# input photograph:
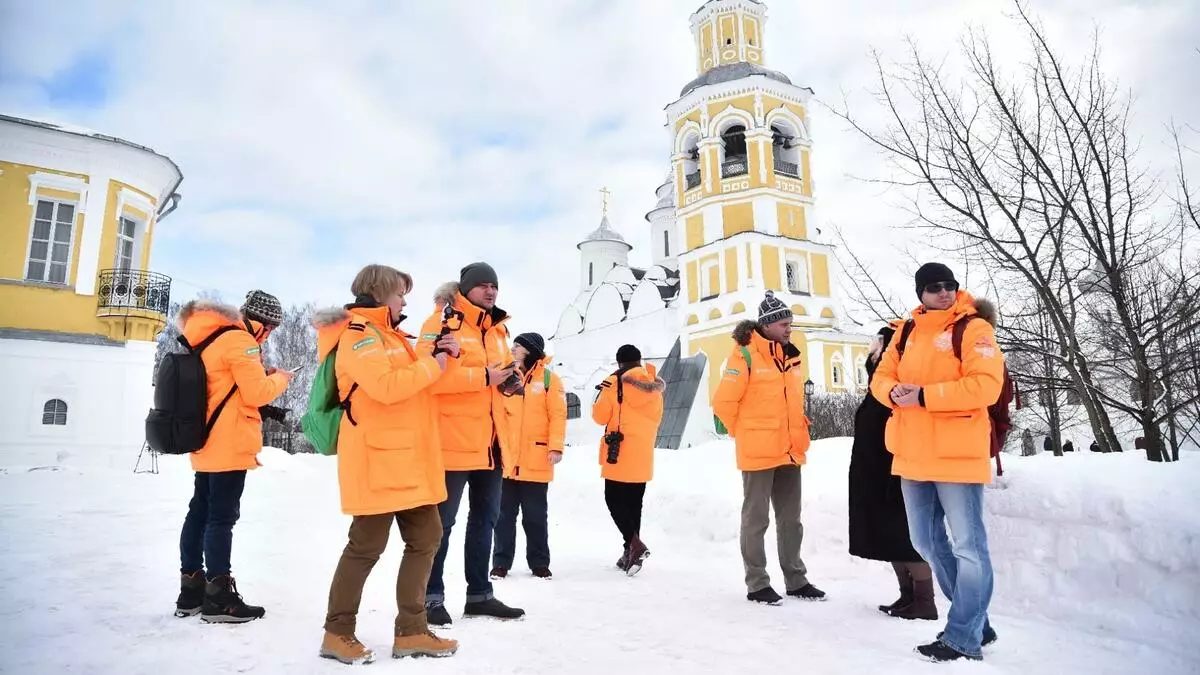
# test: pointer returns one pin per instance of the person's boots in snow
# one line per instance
(939, 652)
(989, 636)
(437, 615)
(766, 596)
(635, 556)
(922, 605)
(808, 592)
(191, 595)
(542, 573)
(345, 648)
(492, 608)
(623, 561)
(906, 588)
(223, 603)
(499, 572)
(425, 644)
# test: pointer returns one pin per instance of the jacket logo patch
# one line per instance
(985, 347)
(253, 350)
(537, 389)
(732, 371)
(430, 336)
(363, 343)
(944, 342)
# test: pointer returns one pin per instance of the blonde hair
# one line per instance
(380, 282)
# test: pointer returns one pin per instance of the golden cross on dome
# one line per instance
(606, 194)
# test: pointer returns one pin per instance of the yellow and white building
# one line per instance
(79, 307)
(731, 221)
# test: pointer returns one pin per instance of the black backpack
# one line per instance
(179, 422)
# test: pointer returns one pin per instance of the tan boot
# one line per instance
(345, 648)
(424, 644)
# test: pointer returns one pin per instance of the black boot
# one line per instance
(223, 604)
(492, 608)
(807, 592)
(437, 615)
(635, 555)
(765, 596)
(191, 595)
(939, 652)
(906, 588)
(922, 605)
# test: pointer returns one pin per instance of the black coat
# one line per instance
(878, 523)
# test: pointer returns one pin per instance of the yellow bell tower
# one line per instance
(741, 170)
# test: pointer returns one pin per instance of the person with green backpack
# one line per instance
(377, 388)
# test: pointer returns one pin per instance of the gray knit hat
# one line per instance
(475, 274)
(262, 307)
(772, 309)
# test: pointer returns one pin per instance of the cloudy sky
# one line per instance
(315, 137)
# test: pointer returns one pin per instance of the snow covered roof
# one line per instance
(604, 233)
(730, 72)
(74, 130)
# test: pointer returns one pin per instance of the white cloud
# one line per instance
(315, 139)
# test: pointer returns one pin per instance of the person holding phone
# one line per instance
(473, 432)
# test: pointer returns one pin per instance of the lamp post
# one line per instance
(808, 392)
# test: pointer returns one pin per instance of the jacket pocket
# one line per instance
(759, 437)
(393, 460)
(961, 435)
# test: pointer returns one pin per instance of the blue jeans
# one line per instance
(207, 536)
(964, 568)
(483, 511)
(529, 499)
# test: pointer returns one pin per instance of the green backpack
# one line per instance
(324, 416)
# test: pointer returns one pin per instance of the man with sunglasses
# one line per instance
(940, 435)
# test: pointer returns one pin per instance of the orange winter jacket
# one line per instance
(948, 439)
(388, 455)
(537, 420)
(637, 416)
(761, 403)
(235, 357)
(471, 409)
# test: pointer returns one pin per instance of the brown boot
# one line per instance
(424, 644)
(906, 588)
(345, 648)
(922, 606)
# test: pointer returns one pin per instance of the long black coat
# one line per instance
(878, 523)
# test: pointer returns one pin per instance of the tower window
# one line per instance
(735, 163)
(728, 41)
(573, 412)
(126, 237)
(590, 281)
(666, 244)
(54, 413)
(836, 376)
(50, 242)
(797, 276)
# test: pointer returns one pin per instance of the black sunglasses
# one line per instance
(939, 286)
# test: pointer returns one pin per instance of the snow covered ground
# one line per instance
(1097, 558)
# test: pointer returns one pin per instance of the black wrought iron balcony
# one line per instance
(692, 180)
(123, 292)
(784, 168)
(735, 166)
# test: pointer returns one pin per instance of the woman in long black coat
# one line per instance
(878, 523)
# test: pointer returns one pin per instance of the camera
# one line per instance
(613, 440)
(513, 384)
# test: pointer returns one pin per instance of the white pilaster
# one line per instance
(93, 231)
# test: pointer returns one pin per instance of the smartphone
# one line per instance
(296, 369)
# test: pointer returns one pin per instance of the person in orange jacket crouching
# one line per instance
(629, 403)
(537, 419)
(760, 400)
(389, 460)
(230, 345)
(940, 436)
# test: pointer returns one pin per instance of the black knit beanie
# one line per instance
(931, 273)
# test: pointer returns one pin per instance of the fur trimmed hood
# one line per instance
(658, 384)
(743, 331)
(329, 316)
(194, 307)
(986, 309)
(444, 294)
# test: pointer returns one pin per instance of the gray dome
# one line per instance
(730, 72)
(604, 233)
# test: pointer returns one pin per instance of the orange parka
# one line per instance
(637, 416)
(948, 438)
(235, 357)
(470, 408)
(537, 420)
(388, 456)
(761, 403)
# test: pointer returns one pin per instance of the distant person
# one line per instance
(237, 386)
(760, 400)
(629, 404)
(537, 419)
(941, 436)
(389, 460)
(473, 431)
(878, 521)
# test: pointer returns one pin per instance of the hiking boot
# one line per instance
(499, 572)
(191, 595)
(492, 608)
(807, 592)
(542, 573)
(223, 604)
(766, 596)
(425, 644)
(922, 605)
(622, 563)
(906, 588)
(437, 615)
(635, 556)
(940, 652)
(345, 648)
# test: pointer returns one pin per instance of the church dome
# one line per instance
(604, 233)
(730, 72)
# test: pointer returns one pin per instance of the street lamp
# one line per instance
(808, 391)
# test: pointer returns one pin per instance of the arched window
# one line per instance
(860, 369)
(691, 161)
(837, 375)
(590, 282)
(54, 413)
(734, 140)
(572, 406)
(785, 147)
